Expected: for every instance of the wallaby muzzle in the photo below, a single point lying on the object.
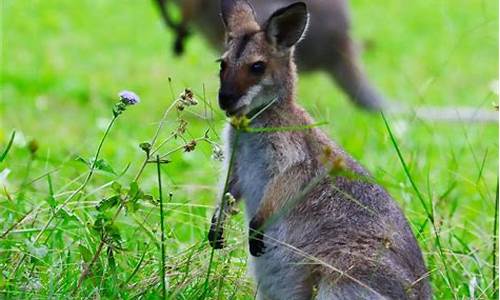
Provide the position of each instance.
(228, 97)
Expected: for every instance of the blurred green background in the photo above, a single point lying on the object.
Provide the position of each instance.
(63, 63)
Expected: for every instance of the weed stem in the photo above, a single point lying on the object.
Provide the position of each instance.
(162, 270)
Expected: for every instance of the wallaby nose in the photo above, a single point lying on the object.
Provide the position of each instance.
(226, 99)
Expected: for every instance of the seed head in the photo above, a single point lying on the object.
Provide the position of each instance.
(33, 147)
(146, 147)
(181, 128)
(217, 153)
(240, 122)
(230, 202)
(186, 99)
(334, 163)
(190, 146)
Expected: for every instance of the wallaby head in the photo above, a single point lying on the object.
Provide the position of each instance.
(257, 66)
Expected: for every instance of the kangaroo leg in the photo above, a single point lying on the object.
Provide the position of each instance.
(349, 74)
(189, 10)
(341, 291)
(277, 278)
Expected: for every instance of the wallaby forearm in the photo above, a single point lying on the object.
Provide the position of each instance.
(228, 197)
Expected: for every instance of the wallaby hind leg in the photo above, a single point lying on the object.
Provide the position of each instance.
(342, 291)
(279, 278)
(351, 77)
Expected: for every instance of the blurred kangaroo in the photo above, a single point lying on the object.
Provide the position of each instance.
(313, 232)
(327, 47)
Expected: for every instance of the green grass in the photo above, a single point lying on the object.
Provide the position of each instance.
(63, 63)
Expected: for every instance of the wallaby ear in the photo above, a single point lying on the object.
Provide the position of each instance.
(287, 25)
(238, 16)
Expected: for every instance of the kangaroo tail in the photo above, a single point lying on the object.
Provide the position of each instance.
(351, 77)
(349, 74)
(447, 113)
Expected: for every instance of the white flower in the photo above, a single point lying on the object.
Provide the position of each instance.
(20, 139)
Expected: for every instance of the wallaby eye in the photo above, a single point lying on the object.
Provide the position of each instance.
(258, 68)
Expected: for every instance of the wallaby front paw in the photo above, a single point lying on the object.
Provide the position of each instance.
(215, 235)
(256, 239)
(256, 245)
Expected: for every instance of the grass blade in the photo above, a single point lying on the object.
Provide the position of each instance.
(137, 267)
(429, 212)
(494, 250)
(420, 197)
(9, 145)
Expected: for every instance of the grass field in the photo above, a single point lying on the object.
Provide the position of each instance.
(63, 64)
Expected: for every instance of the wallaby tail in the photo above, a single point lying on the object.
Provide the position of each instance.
(351, 77)
(446, 114)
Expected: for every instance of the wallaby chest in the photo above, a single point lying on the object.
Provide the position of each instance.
(258, 158)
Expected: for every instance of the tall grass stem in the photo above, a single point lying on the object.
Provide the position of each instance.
(162, 226)
(495, 245)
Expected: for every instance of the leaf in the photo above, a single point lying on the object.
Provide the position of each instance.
(108, 203)
(131, 206)
(134, 188)
(85, 252)
(99, 164)
(134, 193)
(3, 280)
(111, 260)
(102, 165)
(112, 237)
(50, 198)
(82, 160)
(66, 215)
(108, 231)
(100, 222)
(117, 187)
(150, 199)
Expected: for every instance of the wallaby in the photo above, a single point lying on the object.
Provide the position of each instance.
(328, 47)
(319, 227)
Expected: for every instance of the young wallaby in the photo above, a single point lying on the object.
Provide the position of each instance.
(328, 47)
(319, 227)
